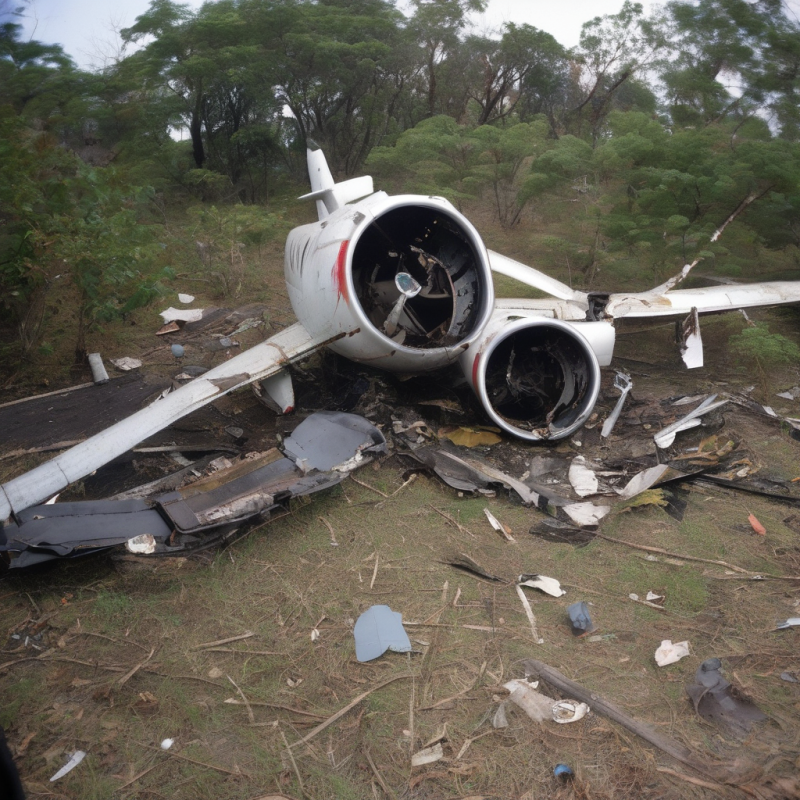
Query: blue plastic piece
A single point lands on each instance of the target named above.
(177, 350)
(563, 771)
(380, 629)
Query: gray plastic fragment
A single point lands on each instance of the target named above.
(380, 629)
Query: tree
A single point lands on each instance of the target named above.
(734, 59)
(613, 49)
(500, 72)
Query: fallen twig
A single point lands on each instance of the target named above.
(230, 701)
(294, 763)
(456, 696)
(529, 614)
(458, 525)
(137, 777)
(238, 638)
(663, 552)
(330, 528)
(378, 775)
(397, 491)
(367, 486)
(170, 754)
(245, 652)
(352, 704)
(125, 678)
(690, 779)
(250, 714)
(374, 572)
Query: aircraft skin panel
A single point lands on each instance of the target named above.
(257, 363)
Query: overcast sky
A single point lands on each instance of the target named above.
(85, 28)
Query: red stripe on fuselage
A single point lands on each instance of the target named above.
(340, 272)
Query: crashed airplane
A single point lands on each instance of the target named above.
(403, 283)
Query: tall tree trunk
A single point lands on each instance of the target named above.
(196, 131)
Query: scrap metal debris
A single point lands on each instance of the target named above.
(624, 384)
(126, 363)
(666, 436)
(181, 314)
(669, 652)
(541, 708)
(542, 582)
(716, 700)
(377, 630)
(203, 512)
(73, 762)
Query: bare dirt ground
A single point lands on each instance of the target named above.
(246, 658)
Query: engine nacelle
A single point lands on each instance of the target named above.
(347, 274)
(538, 378)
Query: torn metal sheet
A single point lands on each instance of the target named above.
(181, 314)
(624, 384)
(670, 652)
(666, 436)
(504, 531)
(126, 363)
(377, 630)
(73, 762)
(428, 755)
(471, 475)
(194, 516)
(716, 700)
(691, 342)
(333, 440)
(582, 477)
(543, 583)
(276, 392)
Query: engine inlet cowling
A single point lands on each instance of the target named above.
(536, 378)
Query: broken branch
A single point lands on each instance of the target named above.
(128, 675)
(352, 704)
(250, 714)
(238, 638)
(662, 552)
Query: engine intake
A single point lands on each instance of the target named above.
(536, 378)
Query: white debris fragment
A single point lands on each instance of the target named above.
(167, 743)
(642, 480)
(666, 436)
(73, 762)
(314, 635)
(584, 514)
(498, 526)
(565, 711)
(143, 544)
(186, 298)
(542, 582)
(583, 479)
(126, 363)
(790, 394)
(653, 597)
(181, 314)
(427, 756)
(537, 706)
(669, 653)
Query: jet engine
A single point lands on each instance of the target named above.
(538, 378)
(402, 283)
